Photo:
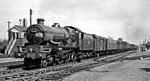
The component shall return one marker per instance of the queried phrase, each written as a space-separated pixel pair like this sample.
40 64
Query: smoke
136 22
136 29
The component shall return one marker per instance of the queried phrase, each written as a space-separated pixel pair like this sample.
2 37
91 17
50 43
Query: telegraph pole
30 16
8 29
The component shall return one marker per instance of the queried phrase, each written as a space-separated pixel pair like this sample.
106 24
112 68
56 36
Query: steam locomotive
55 45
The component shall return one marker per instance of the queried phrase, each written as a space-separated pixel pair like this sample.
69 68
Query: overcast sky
128 19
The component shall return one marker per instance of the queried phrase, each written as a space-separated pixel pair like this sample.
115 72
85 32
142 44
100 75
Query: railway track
60 75
56 72
11 64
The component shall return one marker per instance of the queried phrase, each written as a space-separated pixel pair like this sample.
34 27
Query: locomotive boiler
39 33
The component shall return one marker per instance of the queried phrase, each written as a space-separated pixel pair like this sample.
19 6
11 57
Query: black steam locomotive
55 45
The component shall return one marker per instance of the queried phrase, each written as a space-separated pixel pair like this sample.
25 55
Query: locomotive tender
56 45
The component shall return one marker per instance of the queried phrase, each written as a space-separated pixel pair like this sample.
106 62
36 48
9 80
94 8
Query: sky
127 19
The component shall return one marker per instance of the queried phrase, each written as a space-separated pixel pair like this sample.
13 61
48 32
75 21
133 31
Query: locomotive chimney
40 21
